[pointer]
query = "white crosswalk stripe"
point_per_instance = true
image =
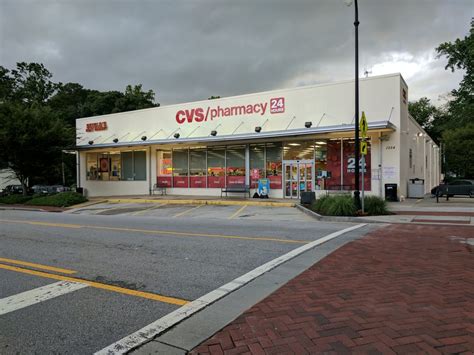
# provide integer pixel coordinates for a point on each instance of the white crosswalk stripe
(40, 294)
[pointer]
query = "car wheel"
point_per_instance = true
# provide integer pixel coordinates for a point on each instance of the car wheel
(471, 194)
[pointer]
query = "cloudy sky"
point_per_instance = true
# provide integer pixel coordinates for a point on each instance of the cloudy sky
(188, 50)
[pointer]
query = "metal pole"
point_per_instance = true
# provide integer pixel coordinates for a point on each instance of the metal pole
(363, 170)
(356, 125)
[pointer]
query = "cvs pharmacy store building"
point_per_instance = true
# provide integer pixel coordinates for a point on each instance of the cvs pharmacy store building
(300, 139)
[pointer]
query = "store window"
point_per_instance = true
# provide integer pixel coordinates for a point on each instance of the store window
(216, 167)
(273, 153)
(321, 164)
(301, 150)
(115, 166)
(257, 163)
(91, 166)
(134, 165)
(180, 168)
(197, 167)
(235, 159)
(164, 167)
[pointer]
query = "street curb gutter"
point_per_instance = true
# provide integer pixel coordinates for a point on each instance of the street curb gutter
(148, 333)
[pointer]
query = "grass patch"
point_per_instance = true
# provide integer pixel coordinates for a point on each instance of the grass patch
(14, 199)
(375, 206)
(62, 199)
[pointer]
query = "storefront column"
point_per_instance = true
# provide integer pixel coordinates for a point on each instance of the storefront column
(247, 165)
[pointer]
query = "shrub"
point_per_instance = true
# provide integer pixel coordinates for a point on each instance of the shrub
(62, 199)
(338, 205)
(374, 206)
(14, 199)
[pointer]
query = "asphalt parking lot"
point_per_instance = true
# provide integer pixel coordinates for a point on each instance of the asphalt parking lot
(201, 211)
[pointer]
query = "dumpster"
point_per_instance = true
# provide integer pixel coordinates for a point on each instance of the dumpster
(416, 188)
(391, 192)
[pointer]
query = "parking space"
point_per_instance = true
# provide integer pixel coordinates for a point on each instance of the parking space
(211, 211)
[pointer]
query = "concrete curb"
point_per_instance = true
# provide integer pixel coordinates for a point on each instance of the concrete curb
(202, 202)
(335, 218)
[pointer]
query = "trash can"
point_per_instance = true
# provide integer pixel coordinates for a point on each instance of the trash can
(416, 188)
(308, 197)
(391, 192)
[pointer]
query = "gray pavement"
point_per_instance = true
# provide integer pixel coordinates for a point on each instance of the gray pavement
(182, 256)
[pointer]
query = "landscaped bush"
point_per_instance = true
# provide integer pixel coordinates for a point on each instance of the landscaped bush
(62, 199)
(14, 199)
(344, 205)
(337, 205)
(375, 206)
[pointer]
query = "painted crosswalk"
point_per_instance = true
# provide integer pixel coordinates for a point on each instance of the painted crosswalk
(37, 295)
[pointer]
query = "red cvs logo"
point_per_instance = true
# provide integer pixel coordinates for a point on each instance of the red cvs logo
(277, 105)
(188, 115)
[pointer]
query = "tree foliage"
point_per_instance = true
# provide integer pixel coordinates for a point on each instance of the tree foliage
(37, 119)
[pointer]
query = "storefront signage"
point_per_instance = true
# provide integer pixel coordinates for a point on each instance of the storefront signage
(96, 126)
(201, 114)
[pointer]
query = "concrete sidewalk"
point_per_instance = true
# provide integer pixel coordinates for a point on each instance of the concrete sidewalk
(401, 289)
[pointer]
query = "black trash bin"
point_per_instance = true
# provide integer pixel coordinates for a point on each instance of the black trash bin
(308, 197)
(80, 190)
(391, 192)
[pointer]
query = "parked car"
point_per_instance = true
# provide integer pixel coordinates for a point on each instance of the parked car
(12, 190)
(48, 189)
(456, 187)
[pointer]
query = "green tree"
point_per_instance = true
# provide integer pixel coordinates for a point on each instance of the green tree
(459, 148)
(460, 55)
(135, 98)
(422, 111)
(32, 139)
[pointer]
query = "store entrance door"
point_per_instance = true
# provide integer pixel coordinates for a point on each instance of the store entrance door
(298, 177)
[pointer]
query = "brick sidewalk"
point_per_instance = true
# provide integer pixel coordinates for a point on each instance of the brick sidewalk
(402, 289)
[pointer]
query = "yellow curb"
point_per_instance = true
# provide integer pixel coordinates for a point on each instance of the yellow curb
(86, 204)
(203, 202)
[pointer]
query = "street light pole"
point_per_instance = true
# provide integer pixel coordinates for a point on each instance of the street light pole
(356, 125)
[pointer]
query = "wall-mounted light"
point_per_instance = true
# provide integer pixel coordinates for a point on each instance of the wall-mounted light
(115, 140)
(308, 124)
(176, 135)
(91, 142)
(258, 129)
(213, 133)
(143, 138)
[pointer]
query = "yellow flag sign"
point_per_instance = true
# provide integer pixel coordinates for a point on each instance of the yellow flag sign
(363, 148)
(363, 126)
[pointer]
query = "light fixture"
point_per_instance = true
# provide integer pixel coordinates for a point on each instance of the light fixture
(91, 142)
(213, 133)
(419, 134)
(308, 124)
(176, 135)
(143, 138)
(115, 140)
(294, 144)
(258, 129)
(321, 142)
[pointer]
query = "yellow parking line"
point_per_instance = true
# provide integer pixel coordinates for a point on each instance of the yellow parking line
(166, 232)
(37, 266)
(238, 212)
(49, 224)
(189, 210)
(126, 291)
(147, 209)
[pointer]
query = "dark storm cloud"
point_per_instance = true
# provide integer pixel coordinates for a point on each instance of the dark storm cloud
(188, 50)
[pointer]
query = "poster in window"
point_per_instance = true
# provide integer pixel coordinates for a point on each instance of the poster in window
(104, 165)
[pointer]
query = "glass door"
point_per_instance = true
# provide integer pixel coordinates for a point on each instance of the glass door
(299, 175)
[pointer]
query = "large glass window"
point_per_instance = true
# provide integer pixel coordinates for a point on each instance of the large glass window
(321, 162)
(164, 167)
(216, 167)
(273, 165)
(301, 150)
(116, 166)
(180, 168)
(257, 163)
(197, 167)
(91, 166)
(235, 165)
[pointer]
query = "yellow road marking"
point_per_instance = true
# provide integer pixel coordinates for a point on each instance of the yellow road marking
(126, 291)
(147, 209)
(188, 210)
(175, 233)
(37, 266)
(49, 224)
(238, 212)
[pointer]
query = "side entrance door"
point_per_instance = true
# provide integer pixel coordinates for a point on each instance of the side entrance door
(298, 177)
